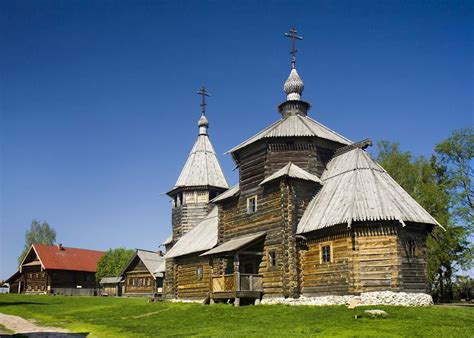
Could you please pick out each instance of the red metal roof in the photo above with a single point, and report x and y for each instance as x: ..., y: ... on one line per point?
x: 57, y: 257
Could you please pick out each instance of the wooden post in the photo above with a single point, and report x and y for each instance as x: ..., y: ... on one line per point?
x: 237, y: 272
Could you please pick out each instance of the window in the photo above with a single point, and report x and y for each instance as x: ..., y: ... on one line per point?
x: 139, y: 282
x: 271, y: 259
x: 326, y: 254
x: 251, y: 204
x: 411, y: 247
x: 199, y: 272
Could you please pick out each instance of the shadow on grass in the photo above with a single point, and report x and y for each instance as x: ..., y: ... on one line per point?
x: 21, y: 303
x: 48, y: 334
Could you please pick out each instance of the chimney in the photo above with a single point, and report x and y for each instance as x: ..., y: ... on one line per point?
x: 60, y: 247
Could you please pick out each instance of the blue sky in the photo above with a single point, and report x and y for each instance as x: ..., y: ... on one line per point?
x: 99, y: 111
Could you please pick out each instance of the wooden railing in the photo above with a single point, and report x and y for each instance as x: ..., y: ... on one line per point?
x: 237, y: 282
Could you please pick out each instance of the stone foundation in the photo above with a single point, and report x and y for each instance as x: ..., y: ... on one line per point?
x: 367, y: 298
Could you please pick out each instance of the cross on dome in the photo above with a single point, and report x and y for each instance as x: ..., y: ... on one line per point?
x: 293, y: 35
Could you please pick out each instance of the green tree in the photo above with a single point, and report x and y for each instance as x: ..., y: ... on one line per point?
x: 429, y: 184
x: 113, y: 262
x: 39, y: 233
x: 455, y: 155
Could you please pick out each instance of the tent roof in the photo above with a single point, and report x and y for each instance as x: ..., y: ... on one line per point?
x: 356, y: 188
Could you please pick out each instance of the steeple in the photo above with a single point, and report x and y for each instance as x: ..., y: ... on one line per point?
x: 293, y: 86
x: 200, y: 180
x: 202, y: 168
x: 203, y: 123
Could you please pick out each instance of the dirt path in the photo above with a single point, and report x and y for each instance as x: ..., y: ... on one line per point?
x: 29, y: 328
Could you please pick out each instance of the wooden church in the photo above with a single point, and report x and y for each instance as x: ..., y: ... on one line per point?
x: 313, y: 214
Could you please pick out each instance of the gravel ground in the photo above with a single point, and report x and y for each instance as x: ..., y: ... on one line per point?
x: 25, y: 327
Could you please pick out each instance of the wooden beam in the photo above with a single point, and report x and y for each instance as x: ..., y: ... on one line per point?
x: 251, y: 253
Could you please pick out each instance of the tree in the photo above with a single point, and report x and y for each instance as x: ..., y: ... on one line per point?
x: 455, y: 155
x: 113, y: 262
x: 429, y: 184
x: 39, y: 233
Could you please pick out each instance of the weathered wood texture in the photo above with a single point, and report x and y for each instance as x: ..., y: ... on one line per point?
x: 169, y: 285
x: 413, y: 268
x: 280, y: 205
x: 319, y: 278
x: 306, y: 154
x: 138, y: 280
x: 37, y: 281
x: 375, y: 261
x: 110, y: 290
x: 189, y: 284
x: 368, y: 257
x: 186, y: 216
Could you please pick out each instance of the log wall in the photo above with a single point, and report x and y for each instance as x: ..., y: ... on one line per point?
x: 138, y: 280
x: 188, y: 283
x: 413, y: 272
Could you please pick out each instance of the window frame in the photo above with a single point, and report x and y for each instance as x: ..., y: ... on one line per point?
x: 272, y: 259
x: 411, y: 247
x: 255, y: 205
x: 322, y: 247
x: 199, y: 272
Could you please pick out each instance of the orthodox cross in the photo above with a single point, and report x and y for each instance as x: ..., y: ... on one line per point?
x: 203, y: 92
x: 293, y: 35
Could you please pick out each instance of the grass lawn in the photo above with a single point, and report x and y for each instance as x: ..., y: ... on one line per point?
x: 112, y: 317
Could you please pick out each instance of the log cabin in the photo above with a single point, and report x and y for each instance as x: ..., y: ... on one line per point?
x: 312, y: 215
x: 111, y: 286
x: 143, y: 274
x: 55, y: 269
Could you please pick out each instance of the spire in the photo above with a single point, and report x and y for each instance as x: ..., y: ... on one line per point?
x: 203, y: 123
x: 293, y: 35
x: 293, y: 86
x: 202, y: 169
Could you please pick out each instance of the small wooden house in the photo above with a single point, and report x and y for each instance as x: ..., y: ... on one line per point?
x: 143, y: 275
x: 111, y: 286
x: 55, y: 269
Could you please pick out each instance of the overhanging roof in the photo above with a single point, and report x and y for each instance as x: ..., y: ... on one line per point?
x: 202, y: 167
x: 110, y: 280
x: 293, y: 126
x: 150, y: 259
x: 200, y: 238
x: 356, y: 188
x: 293, y: 171
x: 235, y: 244
x: 229, y: 193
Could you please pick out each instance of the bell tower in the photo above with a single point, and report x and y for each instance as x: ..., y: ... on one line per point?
x: 201, y: 180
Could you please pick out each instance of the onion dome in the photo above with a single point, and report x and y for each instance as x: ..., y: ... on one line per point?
x: 203, y: 124
x: 293, y: 86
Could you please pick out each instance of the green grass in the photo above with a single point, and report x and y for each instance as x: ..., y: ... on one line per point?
x: 134, y: 317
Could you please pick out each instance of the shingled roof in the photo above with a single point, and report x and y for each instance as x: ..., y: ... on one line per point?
x: 200, y: 238
x: 356, y: 188
x: 202, y: 169
x: 58, y: 257
x: 293, y: 126
x: 293, y: 171
x: 152, y: 261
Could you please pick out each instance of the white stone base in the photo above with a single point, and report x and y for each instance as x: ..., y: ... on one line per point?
x: 366, y: 298
x: 187, y: 300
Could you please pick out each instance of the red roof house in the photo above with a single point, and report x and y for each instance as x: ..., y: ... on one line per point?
x: 58, y: 269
